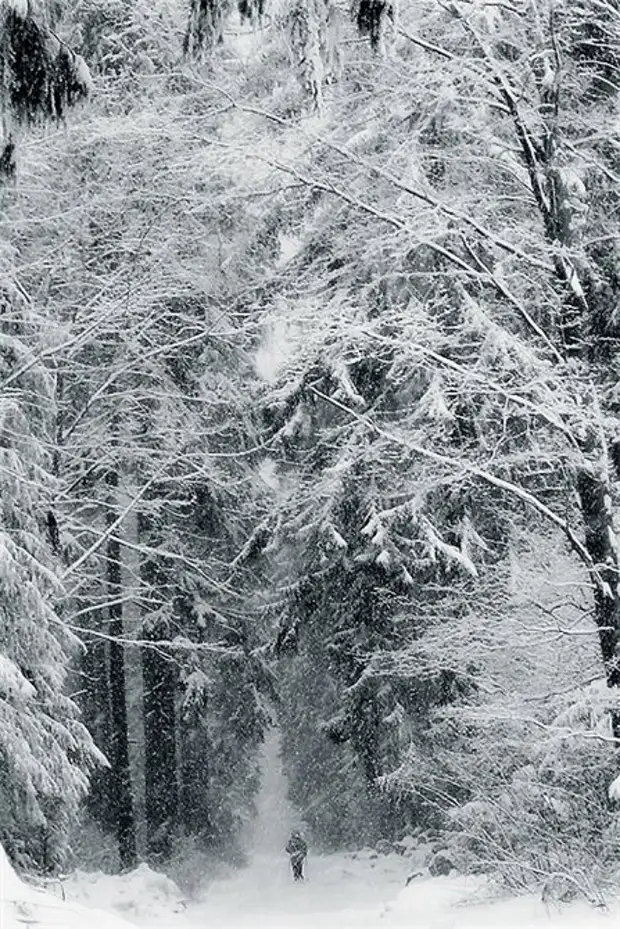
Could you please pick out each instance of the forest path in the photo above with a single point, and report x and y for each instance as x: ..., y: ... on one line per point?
x: 339, y: 890
x: 343, y: 892
x: 357, y: 890
x: 344, y: 888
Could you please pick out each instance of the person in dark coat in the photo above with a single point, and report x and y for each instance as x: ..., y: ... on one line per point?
x: 297, y: 850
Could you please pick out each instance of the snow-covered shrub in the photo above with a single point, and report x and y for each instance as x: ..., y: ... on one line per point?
x: 547, y: 821
x: 515, y: 771
x: 524, y: 798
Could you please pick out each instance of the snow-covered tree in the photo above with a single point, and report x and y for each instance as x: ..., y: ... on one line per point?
x: 448, y: 373
x: 157, y: 490
x: 40, y: 75
x: 45, y: 751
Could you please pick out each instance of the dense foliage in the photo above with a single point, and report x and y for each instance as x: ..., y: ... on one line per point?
x: 321, y: 323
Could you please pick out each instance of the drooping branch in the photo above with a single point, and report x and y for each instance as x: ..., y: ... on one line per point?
x: 40, y: 76
x: 488, y: 477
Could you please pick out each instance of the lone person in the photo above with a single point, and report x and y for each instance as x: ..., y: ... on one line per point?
x: 297, y: 850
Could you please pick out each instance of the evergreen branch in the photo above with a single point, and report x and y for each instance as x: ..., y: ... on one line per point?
x: 73, y: 342
x: 488, y: 477
x: 129, y: 366
x: 423, y: 196
x: 488, y: 382
x: 364, y: 206
x: 485, y: 277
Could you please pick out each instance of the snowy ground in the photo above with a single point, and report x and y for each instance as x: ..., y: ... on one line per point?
x: 341, y: 893
x: 339, y: 890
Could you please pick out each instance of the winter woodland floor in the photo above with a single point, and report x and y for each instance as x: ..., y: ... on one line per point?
x: 341, y: 892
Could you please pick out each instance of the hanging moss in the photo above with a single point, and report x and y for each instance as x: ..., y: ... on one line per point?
x: 40, y: 77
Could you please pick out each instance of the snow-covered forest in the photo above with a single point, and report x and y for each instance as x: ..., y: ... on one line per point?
x: 310, y: 437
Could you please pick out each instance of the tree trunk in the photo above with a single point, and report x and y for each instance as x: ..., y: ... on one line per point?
x: 595, y: 499
x: 95, y: 703
x: 161, y: 792
x: 159, y: 676
x: 194, y: 773
x: 121, y: 799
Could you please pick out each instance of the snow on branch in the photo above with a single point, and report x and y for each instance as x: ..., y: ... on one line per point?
x: 614, y: 789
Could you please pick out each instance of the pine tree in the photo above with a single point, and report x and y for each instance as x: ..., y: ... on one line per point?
x: 45, y: 751
x: 40, y: 76
x: 151, y: 399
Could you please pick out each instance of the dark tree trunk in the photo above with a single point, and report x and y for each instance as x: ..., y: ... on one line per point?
x: 595, y: 499
x: 366, y: 722
x: 95, y: 704
x: 121, y: 800
x: 159, y: 676
x: 161, y: 791
x: 194, y: 773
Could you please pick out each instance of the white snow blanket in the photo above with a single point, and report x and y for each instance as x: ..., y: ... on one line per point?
x: 361, y: 891
x: 23, y: 906
x: 143, y: 896
x: 465, y: 903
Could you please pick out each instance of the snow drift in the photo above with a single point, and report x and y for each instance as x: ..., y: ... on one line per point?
x: 143, y: 896
x: 23, y: 906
